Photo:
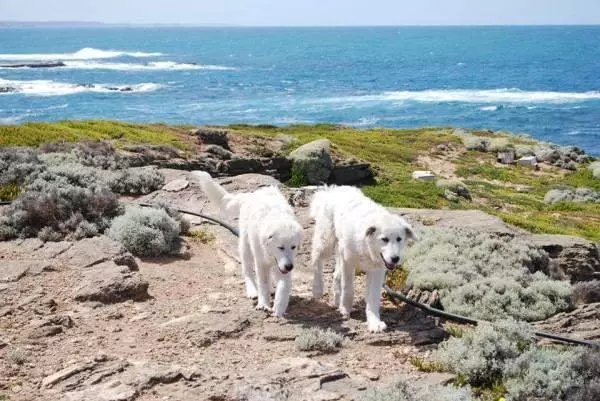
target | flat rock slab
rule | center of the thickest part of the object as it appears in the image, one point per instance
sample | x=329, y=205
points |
x=474, y=220
x=176, y=185
x=109, y=283
x=582, y=323
x=92, y=251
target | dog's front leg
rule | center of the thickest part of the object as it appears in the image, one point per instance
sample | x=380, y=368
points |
x=375, y=279
x=337, y=277
x=282, y=293
x=263, y=282
x=347, y=284
x=247, y=266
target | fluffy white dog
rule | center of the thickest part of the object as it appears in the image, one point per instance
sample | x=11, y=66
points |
x=361, y=233
x=269, y=239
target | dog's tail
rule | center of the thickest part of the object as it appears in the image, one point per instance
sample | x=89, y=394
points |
x=226, y=202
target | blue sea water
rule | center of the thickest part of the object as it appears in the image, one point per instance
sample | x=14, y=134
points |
x=544, y=81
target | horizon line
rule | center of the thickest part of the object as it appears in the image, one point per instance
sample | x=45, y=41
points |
x=77, y=23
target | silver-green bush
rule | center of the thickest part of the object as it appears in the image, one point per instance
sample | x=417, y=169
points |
x=317, y=339
x=146, y=231
x=486, y=276
x=543, y=373
x=480, y=356
x=456, y=186
x=404, y=391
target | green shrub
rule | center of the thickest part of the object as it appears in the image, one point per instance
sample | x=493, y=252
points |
x=500, y=144
x=146, y=231
x=9, y=192
x=59, y=211
x=298, y=177
x=480, y=355
x=543, y=373
x=456, y=186
x=402, y=390
x=485, y=276
x=316, y=339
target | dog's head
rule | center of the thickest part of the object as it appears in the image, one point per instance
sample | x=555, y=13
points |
x=282, y=240
x=386, y=240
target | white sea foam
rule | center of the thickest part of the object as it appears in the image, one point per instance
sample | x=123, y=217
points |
x=54, y=88
x=86, y=53
x=155, y=65
x=470, y=96
x=489, y=108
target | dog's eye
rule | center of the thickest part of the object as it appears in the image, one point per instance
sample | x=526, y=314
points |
x=293, y=247
x=399, y=239
x=385, y=239
x=280, y=248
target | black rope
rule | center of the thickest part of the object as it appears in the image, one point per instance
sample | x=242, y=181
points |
x=394, y=294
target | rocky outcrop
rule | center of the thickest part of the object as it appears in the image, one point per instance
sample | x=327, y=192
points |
x=314, y=161
x=212, y=136
x=110, y=283
x=35, y=65
x=579, y=195
x=352, y=173
x=571, y=257
x=580, y=323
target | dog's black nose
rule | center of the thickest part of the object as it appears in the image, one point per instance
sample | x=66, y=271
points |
x=289, y=267
x=395, y=259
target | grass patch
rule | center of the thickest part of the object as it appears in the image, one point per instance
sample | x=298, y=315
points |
x=298, y=178
x=201, y=236
x=425, y=365
x=9, y=192
x=38, y=133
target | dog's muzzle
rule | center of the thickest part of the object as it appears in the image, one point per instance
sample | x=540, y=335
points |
x=390, y=266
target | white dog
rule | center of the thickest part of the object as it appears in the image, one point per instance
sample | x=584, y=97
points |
x=269, y=232
x=361, y=233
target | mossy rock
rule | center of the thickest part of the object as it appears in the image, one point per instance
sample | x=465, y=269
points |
x=314, y=160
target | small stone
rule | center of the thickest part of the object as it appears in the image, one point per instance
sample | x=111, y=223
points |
x=176, y=185
x=423, y=175
x=528, y=161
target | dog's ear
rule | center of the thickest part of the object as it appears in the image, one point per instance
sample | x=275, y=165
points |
x=370, y=231
x=410, y=233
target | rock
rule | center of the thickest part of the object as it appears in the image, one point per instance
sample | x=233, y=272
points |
x=109, y=283
x=580, y=323
x=237, y=166
x=423, y=176
x=580, y=195
x=352, y=174
x=13, y=270
x=571, y=257
x=451, y=196
x=528, y=161
x=35, y=65
x=473, y=220
x=7, y=89
x=67, y=372
x=300, y=197
x=314, y=160
x=176, y=185
x=92, y=251
x=218, y=151
x=586, y=292
x=212, y=136
x=45, y=331
x=506, y=157
x=455, y=187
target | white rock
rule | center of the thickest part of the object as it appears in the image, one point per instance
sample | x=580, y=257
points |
x=528, y=161
x=506, y=157
x=423, y=175
x=176, y=185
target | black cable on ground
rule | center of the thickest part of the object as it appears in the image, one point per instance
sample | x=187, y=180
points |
x=394, y=294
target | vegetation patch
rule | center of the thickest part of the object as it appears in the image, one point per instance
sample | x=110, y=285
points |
x=146, y=231
x=403, y=390
x=485, y=276
x=317, y=339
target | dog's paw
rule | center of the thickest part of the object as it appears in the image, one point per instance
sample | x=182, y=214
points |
x=344, y=312
x=264, y=308
x=377, y=326
x=279, y=313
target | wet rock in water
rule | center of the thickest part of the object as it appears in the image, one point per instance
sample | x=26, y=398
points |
x=109, y=283
x=126, y=89
x=35, y=65
x=7, y=89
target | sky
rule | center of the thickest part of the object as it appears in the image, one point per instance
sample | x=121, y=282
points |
x=307, y=12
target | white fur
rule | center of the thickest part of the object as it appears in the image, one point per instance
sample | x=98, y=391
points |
x=355, y=228
x=269, y=239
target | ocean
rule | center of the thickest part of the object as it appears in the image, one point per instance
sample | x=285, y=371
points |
x=543, y=81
